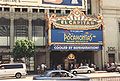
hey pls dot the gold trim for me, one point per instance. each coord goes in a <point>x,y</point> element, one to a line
<point>77,15</point>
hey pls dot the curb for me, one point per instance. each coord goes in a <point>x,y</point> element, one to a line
<point>100,71</point>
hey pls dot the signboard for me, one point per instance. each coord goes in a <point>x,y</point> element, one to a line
<point>76,36</point>
<point>48,3</point>
<point>76,20</point>
<point>75,32</point>
<point>21,2</point>
<point>75,47</point>
<point>64,3</point>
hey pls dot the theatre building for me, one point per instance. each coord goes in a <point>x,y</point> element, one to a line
<point>75,39</point>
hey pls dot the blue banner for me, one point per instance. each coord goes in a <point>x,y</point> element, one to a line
<point>63,2</point>
<point>76,36</point>
<point>76,47</point>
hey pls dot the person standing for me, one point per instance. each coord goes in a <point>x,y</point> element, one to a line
<point>43,68</point>
<point>59,67</point>
<point>38,69</point>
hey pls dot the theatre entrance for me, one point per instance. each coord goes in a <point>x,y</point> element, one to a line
<point>68,58</point>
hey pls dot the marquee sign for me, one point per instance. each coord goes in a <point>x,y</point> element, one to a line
<point>75,29</point>
<point>76,36</point>
<point>76,20</point>
<point>75,47</point>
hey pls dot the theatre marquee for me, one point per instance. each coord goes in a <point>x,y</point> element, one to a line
<point>76,30</point>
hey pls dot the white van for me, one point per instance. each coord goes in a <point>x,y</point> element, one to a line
<point>13,69</point>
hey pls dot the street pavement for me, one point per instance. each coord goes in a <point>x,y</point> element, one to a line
<point>97,74</point>
<point>102,74</point>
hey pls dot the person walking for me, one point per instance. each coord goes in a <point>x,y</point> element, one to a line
<point>43,68</point>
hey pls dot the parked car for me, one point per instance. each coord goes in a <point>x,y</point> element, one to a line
<point>58,75</point>
<point>118,68</point>
<point>82,69</point>
<point>113,68</point>
<point>13,69</point>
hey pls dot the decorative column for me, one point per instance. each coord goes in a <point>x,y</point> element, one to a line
<point>30,29</point>
<point>11,33</point>
<point>47,58</point>
<point>11,37</point>
<point>117,57</point>
<point>95,6</point>
<point>98,59</point>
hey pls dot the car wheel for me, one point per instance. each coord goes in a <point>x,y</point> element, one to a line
<point>18,75</point>
<point>88,71</point>
<point>74,72</point>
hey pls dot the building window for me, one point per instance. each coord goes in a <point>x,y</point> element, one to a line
<point>67,11</point>
<point>4,30</point>
<point>89,7</point>
<point>17,9</point>
<point>34,10</point>
<point>58,11</point>
<point>38,35</point>
<point>24,9</point>
<point>119,39</point>
<point>21,28</point>
<point>0,58</point>
<point>119,26</point>
<point>0,8</point>
<point>41,10</point>
<point>51,11</point>
<point>6,9</point>
<point>38,26</point>
<point>21,31</point>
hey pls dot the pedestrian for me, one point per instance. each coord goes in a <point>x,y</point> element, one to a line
<point>81,64</point>
<point>71,66</point>
<point>43,68</point>
<point>38,69</point>
<point>105,66</point>
<point>59,67</point>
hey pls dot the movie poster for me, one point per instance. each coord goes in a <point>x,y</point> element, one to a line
<point>63,2</point>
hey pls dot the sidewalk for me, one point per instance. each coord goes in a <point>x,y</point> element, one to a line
<point>100,71</point>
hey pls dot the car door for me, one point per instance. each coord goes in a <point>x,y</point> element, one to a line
<point>65,76</point>
<point>80,70</point>
<point>55,75</point>
<point>8,70</point>
<point>85,69</point>
<point>2,71</point>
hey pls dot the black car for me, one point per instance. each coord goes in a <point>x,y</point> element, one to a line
<point>59,75</point>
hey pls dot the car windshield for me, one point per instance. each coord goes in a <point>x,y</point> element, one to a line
<point>49,74</point>
<point>83,67</point>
